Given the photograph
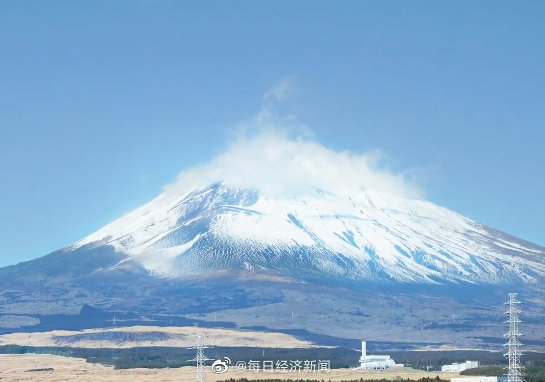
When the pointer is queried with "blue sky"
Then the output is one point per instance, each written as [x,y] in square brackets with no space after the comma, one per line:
[102,103]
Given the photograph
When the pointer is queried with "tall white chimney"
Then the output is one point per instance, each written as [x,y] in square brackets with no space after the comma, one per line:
[363,348]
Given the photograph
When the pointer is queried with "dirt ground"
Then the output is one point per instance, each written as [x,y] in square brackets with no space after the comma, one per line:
[26,367]
[178,337]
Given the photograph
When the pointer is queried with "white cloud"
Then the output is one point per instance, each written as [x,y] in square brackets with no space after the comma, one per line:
[277,156]
[282,166]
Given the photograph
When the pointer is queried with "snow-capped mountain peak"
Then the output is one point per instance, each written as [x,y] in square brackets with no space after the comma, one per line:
[351,236]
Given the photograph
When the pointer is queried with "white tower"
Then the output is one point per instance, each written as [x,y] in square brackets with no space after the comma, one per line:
[513,344]
[200,358]
[363,349]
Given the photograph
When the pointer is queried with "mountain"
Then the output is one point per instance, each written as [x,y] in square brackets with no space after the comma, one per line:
[349,237]
[349,264]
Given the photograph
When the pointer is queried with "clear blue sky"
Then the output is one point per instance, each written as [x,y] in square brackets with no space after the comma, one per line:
[104,102]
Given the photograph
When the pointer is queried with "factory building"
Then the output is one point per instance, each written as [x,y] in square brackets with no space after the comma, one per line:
[457,367]
[375,362]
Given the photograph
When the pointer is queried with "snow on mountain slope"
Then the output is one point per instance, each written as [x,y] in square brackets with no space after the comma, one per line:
[357,235]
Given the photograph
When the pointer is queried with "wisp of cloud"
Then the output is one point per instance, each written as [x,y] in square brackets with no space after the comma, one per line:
[266,155]
[280,166]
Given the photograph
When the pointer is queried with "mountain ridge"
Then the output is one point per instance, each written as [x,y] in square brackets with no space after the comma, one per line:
[362,236]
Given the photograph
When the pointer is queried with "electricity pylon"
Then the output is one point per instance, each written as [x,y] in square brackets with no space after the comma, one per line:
[200,358]
[514,373]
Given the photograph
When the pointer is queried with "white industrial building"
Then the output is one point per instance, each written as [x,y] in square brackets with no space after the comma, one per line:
[375,362]
[457,367]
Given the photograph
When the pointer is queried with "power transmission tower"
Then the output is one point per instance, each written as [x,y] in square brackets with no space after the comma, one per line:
[200,359]
[513,344]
